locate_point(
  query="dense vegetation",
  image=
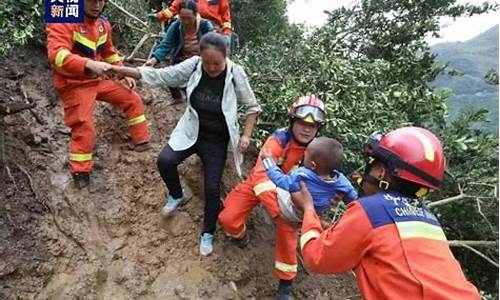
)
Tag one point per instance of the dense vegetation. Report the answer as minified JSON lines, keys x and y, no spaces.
{"x":20,"y":22}
{"x":371,"y":65}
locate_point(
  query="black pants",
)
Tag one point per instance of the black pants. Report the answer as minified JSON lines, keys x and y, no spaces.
{"x":213,"y":156}
{"x":176,"y":92}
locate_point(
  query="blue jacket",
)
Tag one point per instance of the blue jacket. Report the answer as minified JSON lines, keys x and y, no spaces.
{"x":173,"y":41}
{"x":322,"y":191}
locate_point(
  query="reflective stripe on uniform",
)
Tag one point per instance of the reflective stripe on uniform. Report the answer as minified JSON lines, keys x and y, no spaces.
{"x":417,"y":229}
{"x":281,"y":266}
{"x":306,"y":237}
{"x":168,"y":13}
{"x":80,"y":156}
{"x":60,"y":56}
{"x":102,"y":40}
{"x":136,"y":120}
{"x":112,"y":58}
{"x":84,"y":41}
{"x":240,"y":234}
{"x":226,"y":25}
{"x":264,"y":187}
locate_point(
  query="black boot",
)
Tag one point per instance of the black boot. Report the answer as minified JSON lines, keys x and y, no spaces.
{"x":81,"y":179}
{"x":284,"y":290}
{"x":142,"y":147}
{"x":243,"y":242}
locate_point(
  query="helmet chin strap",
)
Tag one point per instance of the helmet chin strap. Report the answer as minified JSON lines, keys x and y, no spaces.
{"x":384,"y":184}
{"x":380,"y":183}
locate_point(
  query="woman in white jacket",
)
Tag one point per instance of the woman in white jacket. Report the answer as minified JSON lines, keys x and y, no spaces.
{"x":215,"y":88}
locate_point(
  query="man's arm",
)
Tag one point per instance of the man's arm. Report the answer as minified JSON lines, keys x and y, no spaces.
{"x":168,"y":13}
{"x":166,"y":43}
{"x":225,"y":12}
{"x":339,"y":248}
{"x":59,"y":45}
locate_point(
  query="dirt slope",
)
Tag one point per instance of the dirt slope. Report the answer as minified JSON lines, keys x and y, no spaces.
{"x":109,"y":241}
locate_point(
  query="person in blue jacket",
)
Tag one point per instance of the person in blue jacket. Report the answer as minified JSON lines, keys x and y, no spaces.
{"x":182,"y":39}
{"x":322,"y":158}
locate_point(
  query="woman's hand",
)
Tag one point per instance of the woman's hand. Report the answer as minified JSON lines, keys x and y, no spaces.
{"x":121,"y":72}
{"x":151,"y":62}
{"x":244,"y":143}
{"x":129,"y":82}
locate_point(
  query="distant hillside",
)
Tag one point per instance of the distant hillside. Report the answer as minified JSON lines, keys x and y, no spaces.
{"x":473,"y":58}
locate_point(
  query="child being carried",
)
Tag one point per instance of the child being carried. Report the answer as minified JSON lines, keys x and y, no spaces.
{"x":322,"y":157}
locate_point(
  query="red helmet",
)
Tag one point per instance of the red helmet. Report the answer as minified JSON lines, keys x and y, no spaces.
{"x":410,"y":153}
{"x":309,"y":109}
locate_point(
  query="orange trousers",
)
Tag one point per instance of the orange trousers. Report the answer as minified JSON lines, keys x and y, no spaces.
{"x":239,"y":204}
{"x":79,"y":102}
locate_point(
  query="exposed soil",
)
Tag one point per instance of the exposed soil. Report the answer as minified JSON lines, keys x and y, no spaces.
{"x":109,"y":241}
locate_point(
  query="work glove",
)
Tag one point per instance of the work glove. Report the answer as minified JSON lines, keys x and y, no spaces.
{"x":152,"y":17}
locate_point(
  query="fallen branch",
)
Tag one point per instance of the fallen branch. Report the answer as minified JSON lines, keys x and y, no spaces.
{"x":32,"y":186}
{"x":478,"y":202}
{"x":10,"y":176}
{"x":455,"y":243}
{"x":447,"y":200}
{"x":14,"y":108}
{"x":467,"y":245}
{"x":37,"y":117}
{"x":134,"y":59}
{"x":139,"y":45}
{"x":136,"y":28}
{"x":152,"y":49}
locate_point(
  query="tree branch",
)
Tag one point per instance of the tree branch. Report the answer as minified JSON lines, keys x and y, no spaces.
{"x":139,"y":45}
{"x":15,"y":108}
{"x":123,"y":10}
{"x":457,"y":243}
{"x":478,"y":202}
{"x":447,"y":200}
{"x":466,"y":245}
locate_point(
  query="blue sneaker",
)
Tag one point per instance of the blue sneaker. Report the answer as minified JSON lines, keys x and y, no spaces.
{"x":206,"y":244}
{"x":171,"y":205}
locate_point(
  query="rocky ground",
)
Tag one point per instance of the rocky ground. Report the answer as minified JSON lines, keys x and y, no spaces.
{"x":109,"y":241}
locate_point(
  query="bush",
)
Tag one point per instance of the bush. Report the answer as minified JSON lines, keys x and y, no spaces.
{"x":20,"y":22}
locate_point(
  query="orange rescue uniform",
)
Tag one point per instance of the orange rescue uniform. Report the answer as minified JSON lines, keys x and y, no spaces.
{"x":258,"y":188}
{"x":70,"y":46}
{"x":217,"y":11}
{"x":397,"y":250}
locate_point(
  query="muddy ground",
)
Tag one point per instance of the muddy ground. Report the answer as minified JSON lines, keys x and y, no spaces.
{"x":109,"y":241}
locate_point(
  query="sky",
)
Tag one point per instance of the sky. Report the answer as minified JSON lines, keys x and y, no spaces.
{"x":311,"y":13}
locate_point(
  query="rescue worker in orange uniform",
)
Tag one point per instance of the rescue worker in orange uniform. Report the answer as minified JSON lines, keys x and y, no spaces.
{"x":286,"y":147}
{"x":391,"y":240}
{"x":217,"y":11}
{"x":80,"y":55}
